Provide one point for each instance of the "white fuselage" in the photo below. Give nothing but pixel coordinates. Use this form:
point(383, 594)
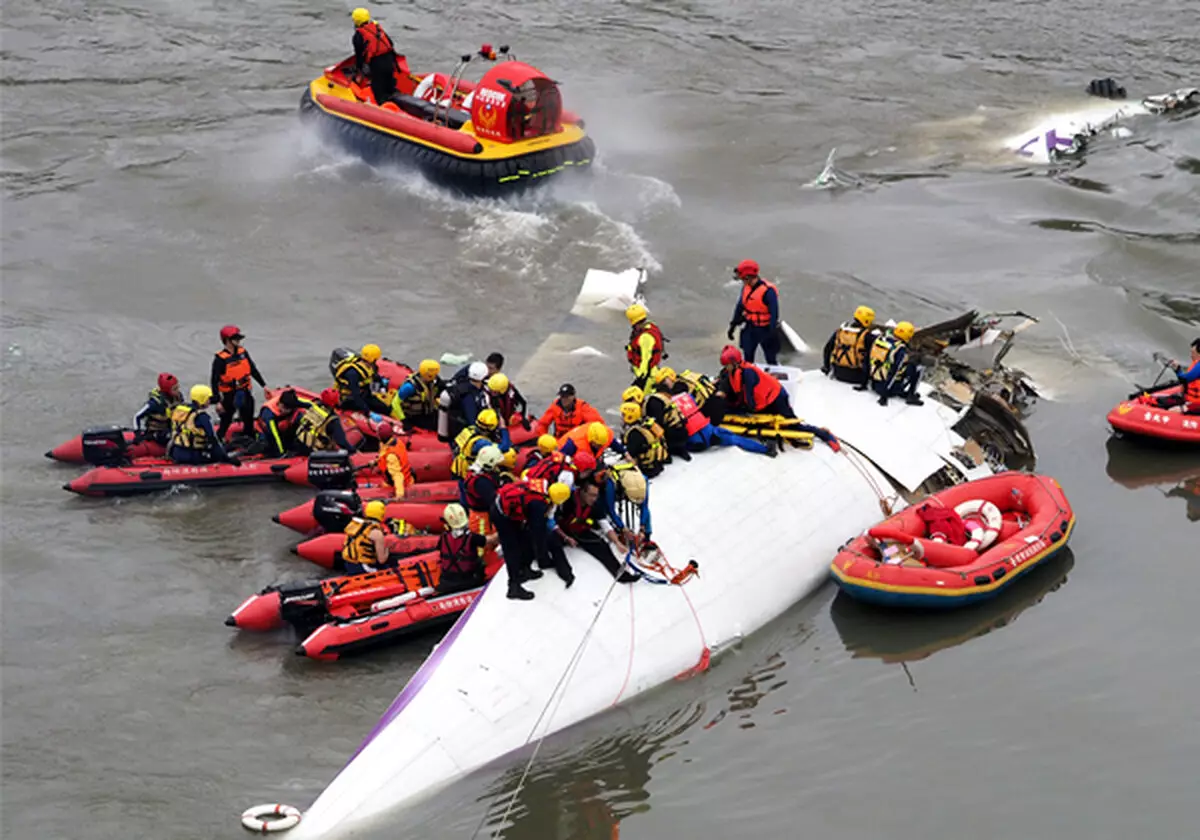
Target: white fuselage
point(763, 532)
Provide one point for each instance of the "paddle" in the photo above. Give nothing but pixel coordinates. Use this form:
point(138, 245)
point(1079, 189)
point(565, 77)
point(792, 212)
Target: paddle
point(1166, 365)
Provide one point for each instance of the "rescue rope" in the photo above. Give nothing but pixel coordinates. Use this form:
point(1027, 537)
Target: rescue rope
point(885, 502)
point(563, 681)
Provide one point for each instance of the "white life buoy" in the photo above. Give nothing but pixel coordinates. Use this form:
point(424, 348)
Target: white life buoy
point(270, 818)
point(982, 520)
point(467, 102)
point(429, 87)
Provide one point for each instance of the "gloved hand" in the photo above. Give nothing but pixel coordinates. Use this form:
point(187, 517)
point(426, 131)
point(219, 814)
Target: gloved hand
point(729, 334)
point(139, 435)
point(825, 369)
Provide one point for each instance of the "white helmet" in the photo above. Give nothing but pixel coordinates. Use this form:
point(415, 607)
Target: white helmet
point(455, 516)
point(489, 457)
point(477, 372)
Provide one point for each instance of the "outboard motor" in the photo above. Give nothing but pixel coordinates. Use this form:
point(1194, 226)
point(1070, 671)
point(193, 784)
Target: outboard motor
point(337, 357)
point(331, 470)
point(302, 604)
point(333, 509)
point(104, 446)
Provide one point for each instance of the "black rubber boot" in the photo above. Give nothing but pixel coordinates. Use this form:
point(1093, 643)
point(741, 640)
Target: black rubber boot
point(518, 593)
point(914, 399)
point(883, 400)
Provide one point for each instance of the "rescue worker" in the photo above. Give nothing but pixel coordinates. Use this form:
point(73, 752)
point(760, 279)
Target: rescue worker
point(508, 466)
point(418, 396)
point(847, 354)
point(757, 311)
point(274, 423)
point(374, 54)
point(507, 401)
point(392, 462)
point(578, 526)
point(657, 406)
point(567, 412)
point(521, 514)
point(644, 440)
point(462, 400)
point(470, 440)
point(646, 347)
point(1189, 399)
point(232, 370)
point(570, 470)
point(478, 490)
point(702, 434)
point(460, 552)
point(317, 427)
point(892, 372)
point(364, 546)
point(153, 422)
point(193, 440)
point(546, 446)
point(699, 385)
point(494, 364)
point(356, 379)
point(595, 437)
point(624, 500)
point(749, 387)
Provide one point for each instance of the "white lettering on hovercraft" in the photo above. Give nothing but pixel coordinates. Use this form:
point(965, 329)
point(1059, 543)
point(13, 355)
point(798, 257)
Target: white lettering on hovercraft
point(494, 97)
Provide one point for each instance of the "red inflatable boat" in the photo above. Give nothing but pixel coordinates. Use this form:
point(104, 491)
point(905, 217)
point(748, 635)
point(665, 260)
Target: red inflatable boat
point(326, 550)
point(149, 475)
point(1136, 419)
point(332, 510)
point(350, 614)
point(1010, 523)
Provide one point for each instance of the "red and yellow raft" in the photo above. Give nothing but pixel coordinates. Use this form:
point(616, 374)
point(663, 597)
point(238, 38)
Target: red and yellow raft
point(500, 135)
point(1137, 419)
point(1018, 519)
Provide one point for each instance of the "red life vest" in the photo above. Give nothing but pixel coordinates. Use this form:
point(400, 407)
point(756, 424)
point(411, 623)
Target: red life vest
point(456, 554)
point(514, 500)
point(478, 495)
point(693, 420)
point(549, 468)
point(765, 392)
point(572, 520)
point(375, 41)
point(237, 371)
point(754, 307)
point(633, 350)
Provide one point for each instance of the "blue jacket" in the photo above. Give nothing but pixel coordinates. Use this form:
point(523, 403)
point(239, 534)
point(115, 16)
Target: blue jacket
point(609, 507)
point(1189, 375)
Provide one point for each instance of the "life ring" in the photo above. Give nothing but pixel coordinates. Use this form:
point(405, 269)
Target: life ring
point(430, 86)
point(282, 817)
point(982, 520)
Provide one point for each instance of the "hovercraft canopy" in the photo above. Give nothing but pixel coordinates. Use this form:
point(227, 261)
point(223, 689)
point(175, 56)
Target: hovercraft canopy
point(514, 101)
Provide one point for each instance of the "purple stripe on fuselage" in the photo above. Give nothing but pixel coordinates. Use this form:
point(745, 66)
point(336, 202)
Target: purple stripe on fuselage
point(420, 678)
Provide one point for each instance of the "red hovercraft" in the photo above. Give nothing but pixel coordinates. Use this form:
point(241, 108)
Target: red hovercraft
point(500, 135)
point(1012, 521)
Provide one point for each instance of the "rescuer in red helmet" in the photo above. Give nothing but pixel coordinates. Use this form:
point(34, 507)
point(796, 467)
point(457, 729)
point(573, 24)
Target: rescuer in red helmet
point(232, 370)
point(757, 310)
point(749, 388)
point(153, 422)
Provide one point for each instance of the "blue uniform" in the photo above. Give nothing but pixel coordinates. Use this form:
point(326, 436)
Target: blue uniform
point(215, 452)
point(610, 507)
point(753, 337)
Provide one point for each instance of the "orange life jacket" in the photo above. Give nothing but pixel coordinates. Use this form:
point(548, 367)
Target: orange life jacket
point(277, 409)
point(237, 371)
point(764, 394)
point(401, 452)
point(754, 307)
point(633, 350)
point(580, 435)
point(1192, 392)
point(376, 41)
point(693, 420)
point(564, 421)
